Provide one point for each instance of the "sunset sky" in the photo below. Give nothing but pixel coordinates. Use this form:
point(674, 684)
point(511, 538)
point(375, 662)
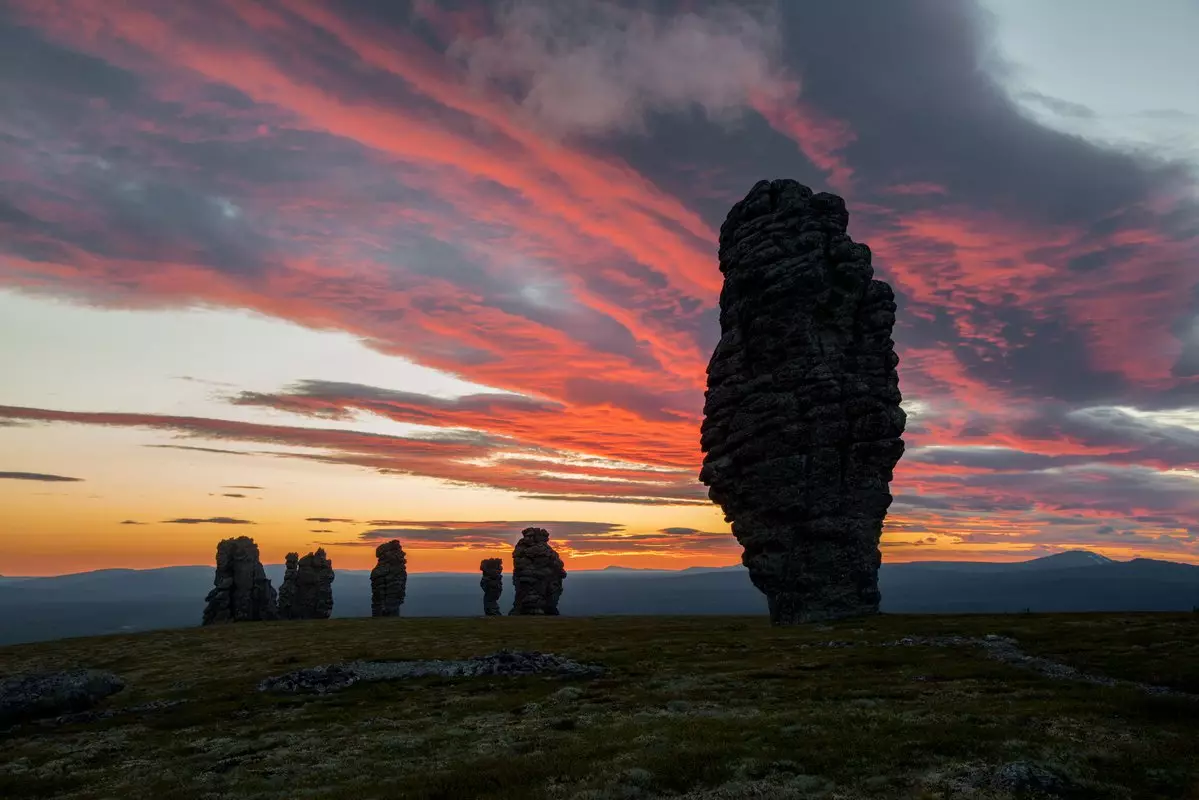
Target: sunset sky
point(333, 273)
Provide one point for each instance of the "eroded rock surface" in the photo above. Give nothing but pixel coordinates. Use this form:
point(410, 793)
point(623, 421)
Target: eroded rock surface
point(241, 590)
point(802, 422)
point(492, 584)
point(307, 590)
point(537, 574)
point(287, 589)
point(334, 677)
point(389, 580)
point(48, 694)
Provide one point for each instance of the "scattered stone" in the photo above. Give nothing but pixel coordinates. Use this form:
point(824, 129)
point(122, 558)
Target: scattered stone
point(334, 677)
point(1025, 776)
point(1007, 650)
point(389, 580)
point(241, 590)
point(47, 694)
point(314, 680)
point(537, 574)
point(492, 584)
point(802, 421)
point(307, 590)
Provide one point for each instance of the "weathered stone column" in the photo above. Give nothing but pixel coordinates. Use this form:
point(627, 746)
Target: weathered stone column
point(537, 574)
point(802, 422)
point(492, 584)
point(389, 580)
point(241, 590)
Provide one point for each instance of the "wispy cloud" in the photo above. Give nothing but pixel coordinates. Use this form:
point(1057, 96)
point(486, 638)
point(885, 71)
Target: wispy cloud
point(37, 476)
point(528, 195)
point(207, 521)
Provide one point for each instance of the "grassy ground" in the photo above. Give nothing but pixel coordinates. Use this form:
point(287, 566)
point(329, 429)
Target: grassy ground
point(702, 708)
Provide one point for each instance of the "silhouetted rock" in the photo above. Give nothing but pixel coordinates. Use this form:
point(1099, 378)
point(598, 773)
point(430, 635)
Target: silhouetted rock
point(802, 422)
point(537, 574)
point(287, 589)
point(48, 694)
point(241, 591)
point(310, 585)
point(389, 580)
point(492, 584)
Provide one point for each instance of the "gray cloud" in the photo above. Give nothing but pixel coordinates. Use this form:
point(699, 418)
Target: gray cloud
point(37, 476)
point(602, 67)
point(208, 521)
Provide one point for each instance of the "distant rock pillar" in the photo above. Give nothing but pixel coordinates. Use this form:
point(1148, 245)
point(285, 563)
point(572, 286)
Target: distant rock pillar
point(314, 586)
point(287, 589)
point(389, 580)
point(241, 591)
point(802, 421)
point(537, 574)
point(492, 584)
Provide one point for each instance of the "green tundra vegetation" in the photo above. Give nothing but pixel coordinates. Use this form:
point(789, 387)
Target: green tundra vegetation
point(689, 707)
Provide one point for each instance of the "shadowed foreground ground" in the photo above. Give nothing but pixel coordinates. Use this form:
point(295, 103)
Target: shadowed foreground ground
point(694, 707)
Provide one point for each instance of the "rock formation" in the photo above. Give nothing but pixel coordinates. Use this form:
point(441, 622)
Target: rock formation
point(537, 574)
point(802, 422)
point(47, 694)
point(241, 591)
point(389, 580)
point(335, 677)
point(492, 584)
point(287, 589)
point(307, 590)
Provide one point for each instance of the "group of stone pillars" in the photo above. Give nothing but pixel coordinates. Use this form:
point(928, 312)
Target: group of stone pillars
point(243, 593)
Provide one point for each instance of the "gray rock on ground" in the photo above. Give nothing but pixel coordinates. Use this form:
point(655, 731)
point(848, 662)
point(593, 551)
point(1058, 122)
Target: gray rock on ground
point(334, 677)
point(492, 584)
point(537, 574)
point(307, 590)
point(49, 694)
point(389, 580)
point(802, 421)
point(241, 590)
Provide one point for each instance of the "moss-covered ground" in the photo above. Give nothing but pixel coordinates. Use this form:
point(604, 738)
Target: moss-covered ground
point(715, 707)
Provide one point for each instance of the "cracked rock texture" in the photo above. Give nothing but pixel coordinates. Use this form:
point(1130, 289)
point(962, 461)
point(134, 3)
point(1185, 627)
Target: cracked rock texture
point(307, 590)
point(802, 422)
point(48, 694)
point(389, 580)
point(492, 584)
point(537, 574)
point(241, 590)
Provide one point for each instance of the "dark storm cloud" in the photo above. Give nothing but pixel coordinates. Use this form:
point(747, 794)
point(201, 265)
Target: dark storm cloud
point(37, 476)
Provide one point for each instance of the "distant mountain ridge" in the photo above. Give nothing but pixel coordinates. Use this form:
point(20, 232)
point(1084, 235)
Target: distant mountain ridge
point(114, 600)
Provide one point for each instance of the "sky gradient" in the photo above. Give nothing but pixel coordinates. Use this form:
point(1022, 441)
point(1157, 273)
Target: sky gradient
point(329, 273)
